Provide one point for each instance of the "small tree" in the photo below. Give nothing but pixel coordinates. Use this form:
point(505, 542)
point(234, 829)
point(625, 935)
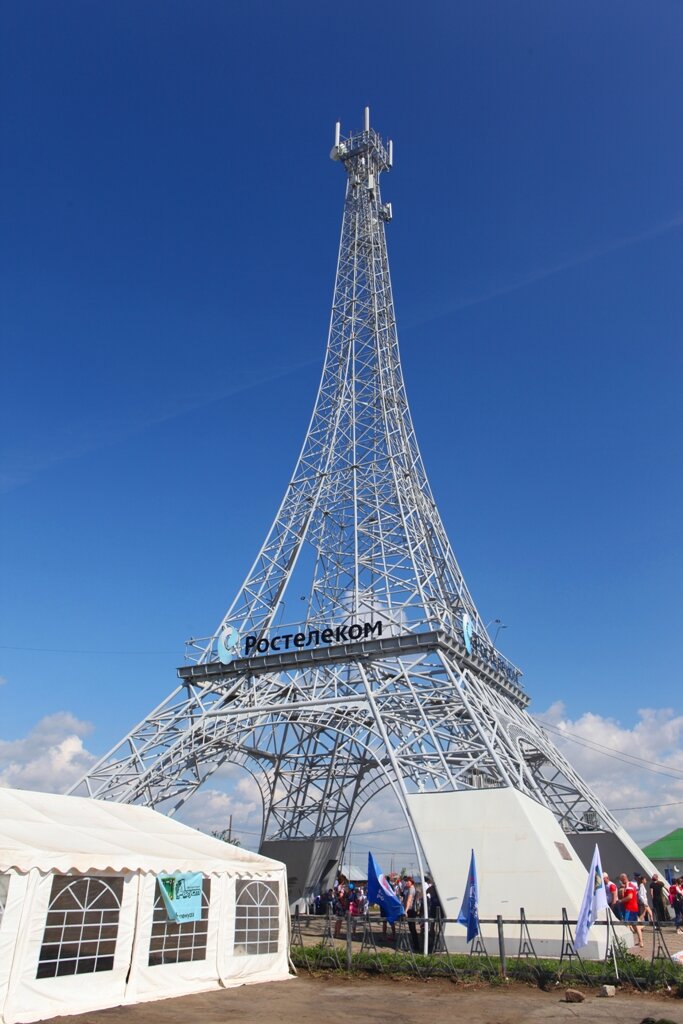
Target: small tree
point(225, 835)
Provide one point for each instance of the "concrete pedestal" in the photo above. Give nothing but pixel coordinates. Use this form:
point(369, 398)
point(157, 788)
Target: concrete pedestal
point(618, 852)
point(523, 858)
point(311, 864)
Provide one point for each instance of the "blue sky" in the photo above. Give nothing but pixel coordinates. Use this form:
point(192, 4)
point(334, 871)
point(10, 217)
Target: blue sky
point(170, 222)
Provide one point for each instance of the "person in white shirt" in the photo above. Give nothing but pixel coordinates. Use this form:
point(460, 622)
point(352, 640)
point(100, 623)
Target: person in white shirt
point(644, 912)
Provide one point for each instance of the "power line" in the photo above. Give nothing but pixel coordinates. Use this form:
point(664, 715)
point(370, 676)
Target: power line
point(631, 759)
point(647, 807)
point(596, 743)
point(376, 831)
point(76, 650)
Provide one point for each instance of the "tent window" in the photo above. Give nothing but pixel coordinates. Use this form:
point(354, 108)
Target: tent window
point(4, 886)
point(173, 943)
point(257, 918)
point(81, 927)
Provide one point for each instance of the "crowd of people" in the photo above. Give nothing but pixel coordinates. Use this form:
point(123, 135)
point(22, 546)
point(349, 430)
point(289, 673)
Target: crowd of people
point(347, 898)
point(632, 901)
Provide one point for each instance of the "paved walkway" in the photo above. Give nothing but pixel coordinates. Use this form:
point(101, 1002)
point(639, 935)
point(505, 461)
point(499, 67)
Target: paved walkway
point(306, 1000)
point(674, 942)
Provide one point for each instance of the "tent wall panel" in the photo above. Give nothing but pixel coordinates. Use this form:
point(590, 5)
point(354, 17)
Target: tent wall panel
point(31, 998)
point(237, 967)
point(10, 925)
point(162, 980)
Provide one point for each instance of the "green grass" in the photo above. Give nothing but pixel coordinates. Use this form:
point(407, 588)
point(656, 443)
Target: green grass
point(544, 973)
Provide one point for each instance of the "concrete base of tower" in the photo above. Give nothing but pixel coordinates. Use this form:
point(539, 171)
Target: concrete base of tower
point(311, 864)
point(523, 858)
point(618, 852)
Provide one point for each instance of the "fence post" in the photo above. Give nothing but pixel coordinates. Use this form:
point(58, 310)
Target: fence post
point(501, 946)
point(349, 941)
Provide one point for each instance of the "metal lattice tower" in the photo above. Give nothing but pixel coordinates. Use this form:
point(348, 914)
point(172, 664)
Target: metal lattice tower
point(391, 678)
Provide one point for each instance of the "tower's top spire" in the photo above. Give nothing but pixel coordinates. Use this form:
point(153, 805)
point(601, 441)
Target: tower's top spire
point(362, 153)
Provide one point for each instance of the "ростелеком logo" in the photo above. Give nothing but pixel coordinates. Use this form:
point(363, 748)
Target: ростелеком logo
point(467, 632)
point(227, 645)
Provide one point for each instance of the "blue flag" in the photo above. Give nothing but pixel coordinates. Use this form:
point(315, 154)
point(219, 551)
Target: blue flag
point(380, 892)
point(182, 896)
point(469, 911)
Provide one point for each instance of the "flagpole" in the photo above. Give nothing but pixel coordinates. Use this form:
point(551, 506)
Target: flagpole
point(610, 927)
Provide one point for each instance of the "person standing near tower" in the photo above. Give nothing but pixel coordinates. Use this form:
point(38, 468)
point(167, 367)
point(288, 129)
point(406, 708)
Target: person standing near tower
point(341, 903)
point(612, 895)
point(659, 893)
point(676, 900)
point(434, 911)
point(644, 912)
point(628, 899)
point(409, 898)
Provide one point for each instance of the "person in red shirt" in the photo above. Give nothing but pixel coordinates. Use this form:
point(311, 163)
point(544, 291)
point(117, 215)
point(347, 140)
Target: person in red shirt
point(628, 900)
point(612, 896)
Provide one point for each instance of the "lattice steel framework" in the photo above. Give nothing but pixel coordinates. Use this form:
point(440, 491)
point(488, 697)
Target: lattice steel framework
point(428, 705)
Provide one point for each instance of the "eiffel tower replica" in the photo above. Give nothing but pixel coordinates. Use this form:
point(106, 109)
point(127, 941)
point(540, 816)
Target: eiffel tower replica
point(389, 680)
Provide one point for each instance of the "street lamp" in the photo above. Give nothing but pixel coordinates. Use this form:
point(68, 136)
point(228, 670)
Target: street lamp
point(499, 624)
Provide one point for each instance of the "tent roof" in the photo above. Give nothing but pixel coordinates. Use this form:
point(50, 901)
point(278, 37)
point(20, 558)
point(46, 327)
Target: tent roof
point(64, 833)
point(669, 847)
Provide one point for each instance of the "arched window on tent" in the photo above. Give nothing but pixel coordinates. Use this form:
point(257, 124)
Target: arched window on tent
point(82, 925)
point(257, 918)
point(172, 942)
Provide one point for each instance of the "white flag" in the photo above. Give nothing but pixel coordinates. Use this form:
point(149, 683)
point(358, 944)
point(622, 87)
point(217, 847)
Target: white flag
point(594, 900)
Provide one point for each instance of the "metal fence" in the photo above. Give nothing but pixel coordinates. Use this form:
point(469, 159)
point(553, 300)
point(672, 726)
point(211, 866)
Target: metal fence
point(363, 946)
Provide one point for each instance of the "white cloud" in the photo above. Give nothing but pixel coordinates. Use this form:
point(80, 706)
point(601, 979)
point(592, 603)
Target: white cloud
point(382, 828)
point(3, 680)
point(620, 781)
point(53, 755)
point(248, 788)
point(210, 810)
point(50, 757)
point(656, 737)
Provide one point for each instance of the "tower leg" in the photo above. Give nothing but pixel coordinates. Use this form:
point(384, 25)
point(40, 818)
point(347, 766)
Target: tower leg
point(618, 852)
point(523, 858)
point(311, 863)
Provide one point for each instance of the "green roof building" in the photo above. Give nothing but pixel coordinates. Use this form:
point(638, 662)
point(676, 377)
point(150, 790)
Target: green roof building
point(667, 853)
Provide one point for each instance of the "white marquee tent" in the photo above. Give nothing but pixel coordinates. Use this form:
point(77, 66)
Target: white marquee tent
point(82, 922)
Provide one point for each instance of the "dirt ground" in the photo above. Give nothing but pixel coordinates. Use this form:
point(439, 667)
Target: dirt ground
point(306, 1000)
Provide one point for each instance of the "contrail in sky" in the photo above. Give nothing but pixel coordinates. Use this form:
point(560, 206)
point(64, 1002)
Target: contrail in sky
point(29, 465)
point(531, 277)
